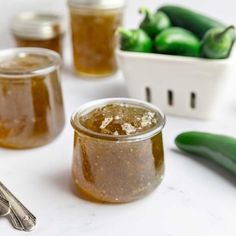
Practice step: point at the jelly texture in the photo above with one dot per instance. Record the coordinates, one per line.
(117, 171)
(31, 108)
(94, 41)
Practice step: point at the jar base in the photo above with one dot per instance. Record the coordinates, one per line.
(84, 75)
(36, 145)
(81, 193)
(88, 197)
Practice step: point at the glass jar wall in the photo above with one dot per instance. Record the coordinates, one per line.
(42, 30)
(32, 112)
(119, 166)
(94, 39)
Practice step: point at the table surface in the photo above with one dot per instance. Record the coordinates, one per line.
(197, 197)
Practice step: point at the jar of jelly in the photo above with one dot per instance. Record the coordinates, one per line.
(38, 29)
(118, 150)
(31, 104)
(94, 38)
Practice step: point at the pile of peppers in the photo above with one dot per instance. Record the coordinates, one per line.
(175, 30)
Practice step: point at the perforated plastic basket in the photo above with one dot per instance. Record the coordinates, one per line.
(184, 86)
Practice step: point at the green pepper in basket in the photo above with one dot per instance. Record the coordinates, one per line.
(154, 23)
(177, 41)
(188, 19)
(135, 40)
(217, 43)
(219, 148)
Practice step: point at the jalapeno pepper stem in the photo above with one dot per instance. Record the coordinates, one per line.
(144, 10)
(125, 33)
(218, 36)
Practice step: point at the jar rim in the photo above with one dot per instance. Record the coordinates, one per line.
(52, 55)
(97, 4)
(37, 25)
(89, 106)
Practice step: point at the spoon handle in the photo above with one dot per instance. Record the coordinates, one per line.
(4, 207)
(20, 214)
(12, 216)
(15, 221)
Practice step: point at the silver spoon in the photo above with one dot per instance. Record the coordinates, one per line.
(21, 217)
(12, 215)
(5, 207)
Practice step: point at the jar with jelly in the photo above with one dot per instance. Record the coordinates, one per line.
(118, 150)
(38, 29)
(93, 32)
(31, 103)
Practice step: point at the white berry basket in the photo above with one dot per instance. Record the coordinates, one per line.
(183, 86)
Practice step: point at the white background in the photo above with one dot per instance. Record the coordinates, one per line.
(195, 198)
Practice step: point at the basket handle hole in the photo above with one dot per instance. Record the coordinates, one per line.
(193, 100)
(148, 94)
(170, 97)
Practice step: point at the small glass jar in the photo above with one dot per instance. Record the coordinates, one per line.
(94, 39)
(31, 104)
(38, 29)
(117, 168)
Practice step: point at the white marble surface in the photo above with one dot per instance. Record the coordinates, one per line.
(195, 198)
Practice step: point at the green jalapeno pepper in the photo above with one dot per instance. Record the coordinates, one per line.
(188, 19)
(177, 41)
(135, 40)
(219, 148)
(217, 43)
(154, 23)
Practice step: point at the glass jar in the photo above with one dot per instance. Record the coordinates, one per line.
(31, 104)
(94, 39)
(38, 29)
(117, 168)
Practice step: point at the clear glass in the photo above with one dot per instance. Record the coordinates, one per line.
(55, 43)
(117, 168)
(31, 103)
(94, 40)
